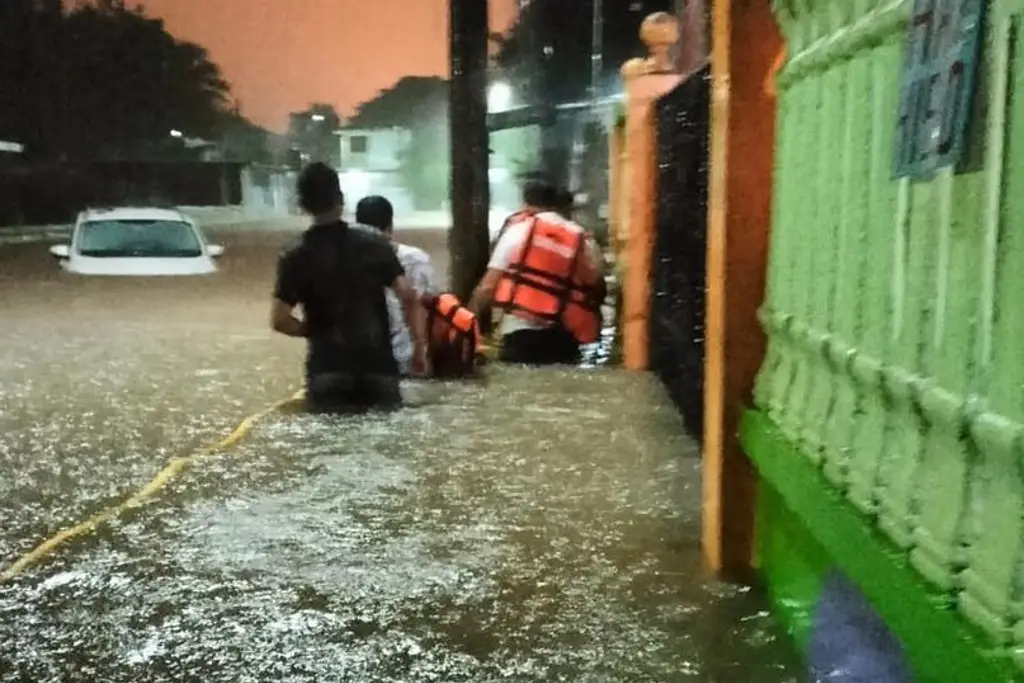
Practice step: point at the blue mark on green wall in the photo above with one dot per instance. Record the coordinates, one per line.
(937, 87)
(850, 643)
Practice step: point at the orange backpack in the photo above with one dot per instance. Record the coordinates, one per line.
(453, 337)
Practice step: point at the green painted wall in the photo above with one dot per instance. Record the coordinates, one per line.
(807, 529)
(895, 310)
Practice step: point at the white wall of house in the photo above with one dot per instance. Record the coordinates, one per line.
(274, 195)
(372, 150)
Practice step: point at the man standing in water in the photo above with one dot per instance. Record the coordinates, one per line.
(546, 273)
(339, 273)
(377, 212)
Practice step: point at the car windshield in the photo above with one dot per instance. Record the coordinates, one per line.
(139, 238)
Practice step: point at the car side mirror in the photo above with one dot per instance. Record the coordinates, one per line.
(61, 251)
(215, 250)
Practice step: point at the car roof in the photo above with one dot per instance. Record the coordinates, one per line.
(133, 213)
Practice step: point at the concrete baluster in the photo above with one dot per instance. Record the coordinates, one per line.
(869, 438)
(851, 266)
(799, 218)
(993, 581)
(776, 312)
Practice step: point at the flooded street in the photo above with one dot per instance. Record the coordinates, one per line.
(533, 526)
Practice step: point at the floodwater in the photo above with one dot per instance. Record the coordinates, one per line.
(535, 526)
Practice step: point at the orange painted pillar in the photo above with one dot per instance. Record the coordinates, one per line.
(746, 43)
(645, 81)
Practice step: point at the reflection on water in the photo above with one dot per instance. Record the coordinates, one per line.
(536, 526)
(504, 531)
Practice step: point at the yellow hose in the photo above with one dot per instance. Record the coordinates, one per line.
(173, 469)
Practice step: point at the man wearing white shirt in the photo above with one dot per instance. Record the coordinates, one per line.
(377, 212)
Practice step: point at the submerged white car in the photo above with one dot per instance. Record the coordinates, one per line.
(137, 242)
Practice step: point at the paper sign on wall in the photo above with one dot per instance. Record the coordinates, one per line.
(937, 85)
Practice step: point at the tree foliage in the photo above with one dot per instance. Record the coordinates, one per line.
(411, 102)
(244, 141)
(418, 104)
(312, 133)
(102, 80)
(546, 54)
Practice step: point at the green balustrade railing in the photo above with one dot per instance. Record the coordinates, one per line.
(895, 308)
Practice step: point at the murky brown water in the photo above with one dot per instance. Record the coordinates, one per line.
(539, 526)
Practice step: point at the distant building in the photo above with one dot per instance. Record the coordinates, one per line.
(373, 150)
(204, 150)
(371, 163)
(397, 144)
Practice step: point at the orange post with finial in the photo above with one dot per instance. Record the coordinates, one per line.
(645, 79)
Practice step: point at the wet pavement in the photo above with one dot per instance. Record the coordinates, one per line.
(534, 526)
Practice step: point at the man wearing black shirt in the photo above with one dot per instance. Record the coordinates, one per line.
(338, 273)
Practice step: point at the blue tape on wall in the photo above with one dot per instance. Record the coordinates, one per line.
(849, 641)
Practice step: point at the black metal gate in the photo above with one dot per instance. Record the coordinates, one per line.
(678, 273)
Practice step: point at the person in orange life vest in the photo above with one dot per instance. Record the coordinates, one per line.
(545, 273)
(452, 332)
(538, 195)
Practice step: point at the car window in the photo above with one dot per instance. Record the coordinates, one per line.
(138, 238)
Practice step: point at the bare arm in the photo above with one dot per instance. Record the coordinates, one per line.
(412, 308)
(283, 320)
(484, 292)
(286, 297)
(422, 277)
(501, 256)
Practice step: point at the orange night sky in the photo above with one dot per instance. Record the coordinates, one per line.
(281, 55)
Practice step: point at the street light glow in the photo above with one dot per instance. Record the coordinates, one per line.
(499, 97)
(318, 117)
(176, 133)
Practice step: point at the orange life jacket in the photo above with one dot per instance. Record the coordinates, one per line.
(552, 280)
(454, 337)
(518, 216)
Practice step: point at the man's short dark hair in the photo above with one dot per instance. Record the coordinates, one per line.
(540, 192)
(566, 202)
(376, 212)
(319, 189)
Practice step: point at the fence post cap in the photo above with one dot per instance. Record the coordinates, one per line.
(659, 32)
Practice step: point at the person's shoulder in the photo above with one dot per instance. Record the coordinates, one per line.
(522, 218)
(369, 239)
(410, 255)
(555, 217)
(367, 234)
(292, 248)
(517, 229)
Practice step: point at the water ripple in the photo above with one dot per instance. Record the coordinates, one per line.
(538, 526)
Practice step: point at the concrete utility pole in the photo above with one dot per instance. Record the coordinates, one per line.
(469, 239)
(596, 55)
(554, 154)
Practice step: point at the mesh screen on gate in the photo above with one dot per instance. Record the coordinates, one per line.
(678, 277)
